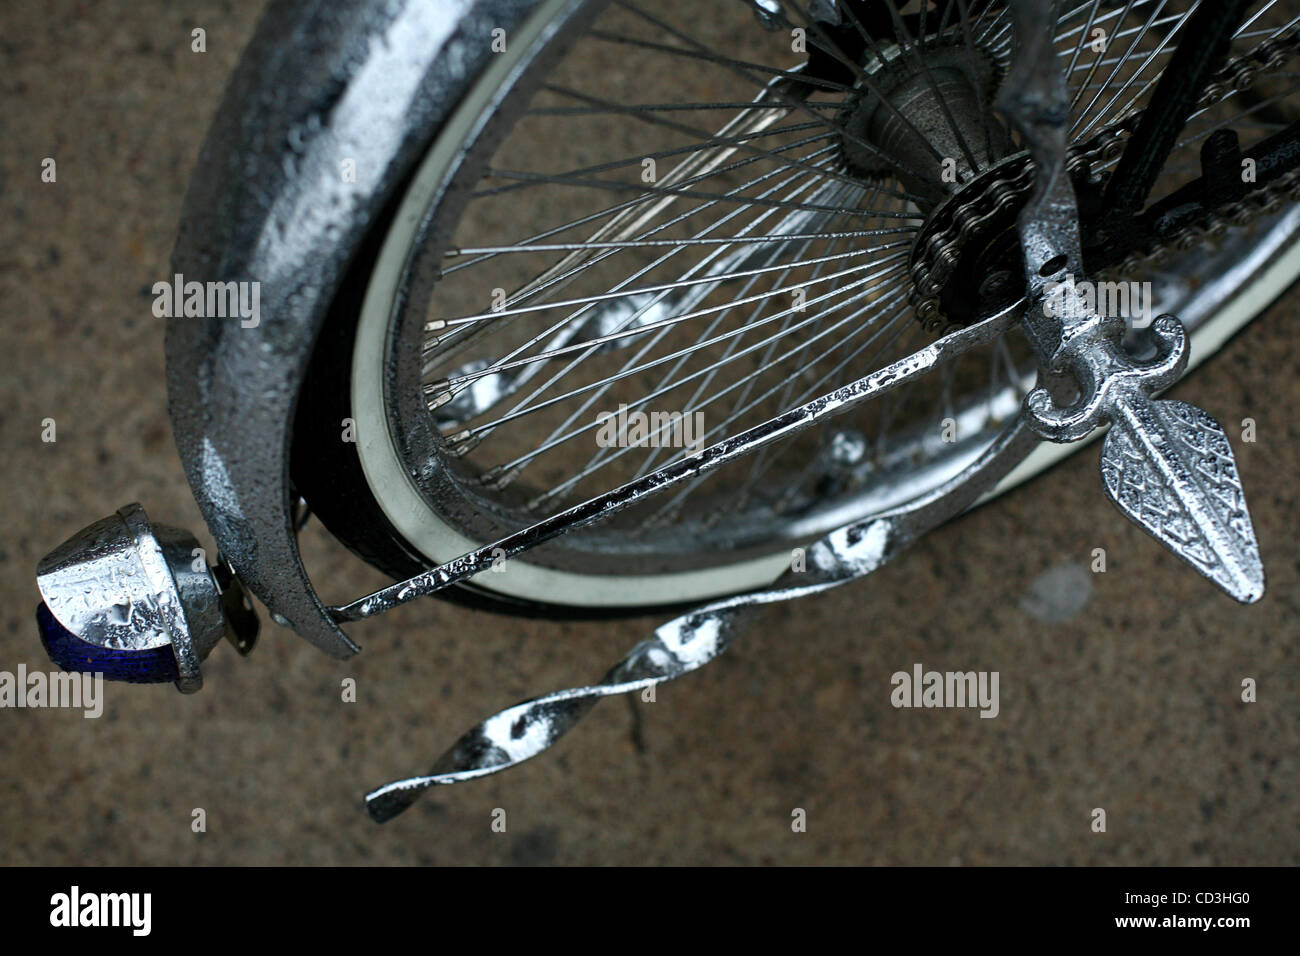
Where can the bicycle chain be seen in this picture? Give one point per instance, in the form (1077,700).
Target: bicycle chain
(1263,201)
(937,255)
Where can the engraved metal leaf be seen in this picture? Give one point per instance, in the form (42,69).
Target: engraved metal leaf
(1169,467)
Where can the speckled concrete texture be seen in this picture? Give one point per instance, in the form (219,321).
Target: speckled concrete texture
(1118,690)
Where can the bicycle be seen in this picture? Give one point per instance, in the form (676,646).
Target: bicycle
(539,341)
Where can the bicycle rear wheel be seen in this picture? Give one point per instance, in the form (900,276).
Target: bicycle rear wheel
(646,229)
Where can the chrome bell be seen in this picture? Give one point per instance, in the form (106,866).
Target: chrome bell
(139,603)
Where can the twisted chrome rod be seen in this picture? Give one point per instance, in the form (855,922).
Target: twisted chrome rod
(689,641)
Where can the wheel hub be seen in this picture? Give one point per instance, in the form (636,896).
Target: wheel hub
(924,116)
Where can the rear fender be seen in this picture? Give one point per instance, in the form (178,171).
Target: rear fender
(328,113)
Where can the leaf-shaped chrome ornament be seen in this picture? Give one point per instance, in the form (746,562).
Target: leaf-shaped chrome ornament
(1168,466)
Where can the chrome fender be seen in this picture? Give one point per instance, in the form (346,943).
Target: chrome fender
(321,84)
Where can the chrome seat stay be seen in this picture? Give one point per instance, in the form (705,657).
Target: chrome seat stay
(813,413)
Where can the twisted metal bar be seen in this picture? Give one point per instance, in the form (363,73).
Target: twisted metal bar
(677,647)
(691,640)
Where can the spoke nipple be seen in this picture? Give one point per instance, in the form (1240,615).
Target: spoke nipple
(498,477)
(439,393)
(435,325)
(461,443)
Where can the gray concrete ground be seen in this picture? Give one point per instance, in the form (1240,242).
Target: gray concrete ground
(1118,690)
